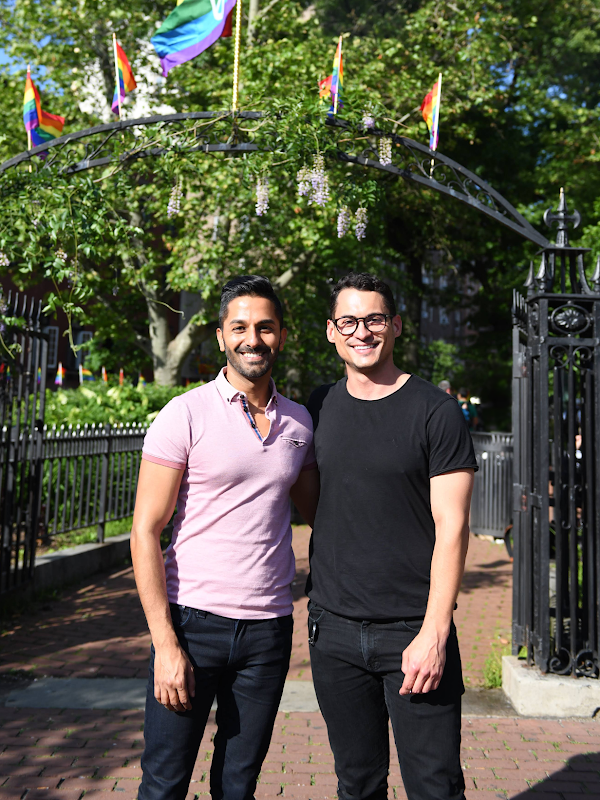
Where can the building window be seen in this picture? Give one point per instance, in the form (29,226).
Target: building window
(424,310)
(443,317)
(52,331)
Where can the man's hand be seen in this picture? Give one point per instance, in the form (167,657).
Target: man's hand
(174,682)
(423,662)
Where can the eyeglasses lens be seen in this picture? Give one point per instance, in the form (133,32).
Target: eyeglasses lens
(348,325)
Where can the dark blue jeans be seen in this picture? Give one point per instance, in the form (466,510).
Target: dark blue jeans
(243,663)
(357,673)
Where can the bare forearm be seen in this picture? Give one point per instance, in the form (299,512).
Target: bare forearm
(149,570)
(447,567)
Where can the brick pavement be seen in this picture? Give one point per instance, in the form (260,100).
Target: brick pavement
(98,628)
(65,755)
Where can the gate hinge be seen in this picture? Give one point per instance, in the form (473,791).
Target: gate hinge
(519,497)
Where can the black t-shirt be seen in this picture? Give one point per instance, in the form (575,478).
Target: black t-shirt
(371,548)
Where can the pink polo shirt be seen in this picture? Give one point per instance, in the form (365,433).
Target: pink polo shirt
(231,551)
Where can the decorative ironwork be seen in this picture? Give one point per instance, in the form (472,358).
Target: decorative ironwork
(556,491)
(228,132)
(129,140)
(22,397)
(417,163)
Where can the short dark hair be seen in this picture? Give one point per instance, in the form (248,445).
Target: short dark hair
(253,285)
(364,282)
(463,392)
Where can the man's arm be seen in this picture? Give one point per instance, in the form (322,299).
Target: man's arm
(157,491)
(305,494)
(424,659)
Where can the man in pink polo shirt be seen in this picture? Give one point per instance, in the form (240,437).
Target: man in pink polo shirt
(229,455)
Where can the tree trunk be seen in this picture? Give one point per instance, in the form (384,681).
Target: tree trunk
(412,317)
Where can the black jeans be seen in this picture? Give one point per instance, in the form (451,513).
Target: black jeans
(357,674)
(243,663)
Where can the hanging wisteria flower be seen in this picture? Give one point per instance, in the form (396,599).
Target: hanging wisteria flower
(343,221)
(262,196)
(4,259)
(174,205)
(384,147)
(314,183)
(3,310)
(368,120)
(319,193)
(360,223)
(60,254)
(303,178)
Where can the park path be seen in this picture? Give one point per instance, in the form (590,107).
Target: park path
(98,629)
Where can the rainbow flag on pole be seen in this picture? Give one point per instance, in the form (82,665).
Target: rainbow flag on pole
(60,375)
(430,108)
(190,29)
(85,375)
(332,85)
(32,107)
(126,81)
(337,80)
(41,126)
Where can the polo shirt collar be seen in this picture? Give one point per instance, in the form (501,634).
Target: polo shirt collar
(230,393)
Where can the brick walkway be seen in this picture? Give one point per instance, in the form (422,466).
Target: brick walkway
(69,755)
(60,756)
(98,629)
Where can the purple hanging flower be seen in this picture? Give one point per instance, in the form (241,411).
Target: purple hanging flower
(360,223)
(314,183)
(343,221)
(262,196)
(368,120)
(174,205)
(303,178)
(4,259)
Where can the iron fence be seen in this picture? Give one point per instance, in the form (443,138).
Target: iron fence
(491,506)
(23,360)
(89,476)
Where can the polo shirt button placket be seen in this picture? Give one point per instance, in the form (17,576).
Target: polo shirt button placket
(250,417)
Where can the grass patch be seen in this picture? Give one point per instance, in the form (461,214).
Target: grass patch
(492,669)
(61,541)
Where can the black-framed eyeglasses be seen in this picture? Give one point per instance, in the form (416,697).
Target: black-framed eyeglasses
(375,323)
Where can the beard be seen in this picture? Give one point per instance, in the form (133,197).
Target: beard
(251,370)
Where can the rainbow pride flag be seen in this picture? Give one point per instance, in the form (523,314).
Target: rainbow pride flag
(190,29)
(126,81)
(85,375)
(430,108)
(60,375)
(141,384)
(337,80)
(32,107)
(41,126)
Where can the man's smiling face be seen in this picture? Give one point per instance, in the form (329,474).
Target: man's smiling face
(363,350)
(251,336)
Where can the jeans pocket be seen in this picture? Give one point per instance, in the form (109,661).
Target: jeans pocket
(180,615)
(413,625)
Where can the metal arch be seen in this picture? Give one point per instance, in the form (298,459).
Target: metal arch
(202,131)
(438,172)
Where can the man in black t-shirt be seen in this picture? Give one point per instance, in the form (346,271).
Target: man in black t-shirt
(387,557)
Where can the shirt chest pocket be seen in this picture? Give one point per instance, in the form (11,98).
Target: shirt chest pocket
(293,442)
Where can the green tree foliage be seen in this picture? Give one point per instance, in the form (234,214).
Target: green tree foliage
(519,109)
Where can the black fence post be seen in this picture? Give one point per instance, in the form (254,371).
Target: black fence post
(103,510)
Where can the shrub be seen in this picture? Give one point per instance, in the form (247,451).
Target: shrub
(100,403)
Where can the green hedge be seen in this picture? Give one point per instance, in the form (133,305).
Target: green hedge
(100,403)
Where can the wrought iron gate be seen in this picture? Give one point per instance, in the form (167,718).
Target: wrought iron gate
(556,502)
(23,362)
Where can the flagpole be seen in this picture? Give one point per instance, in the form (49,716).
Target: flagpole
(236,55)
(337,88)
(118,82)
(436,122)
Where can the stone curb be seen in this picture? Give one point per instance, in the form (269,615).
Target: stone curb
(75,563)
